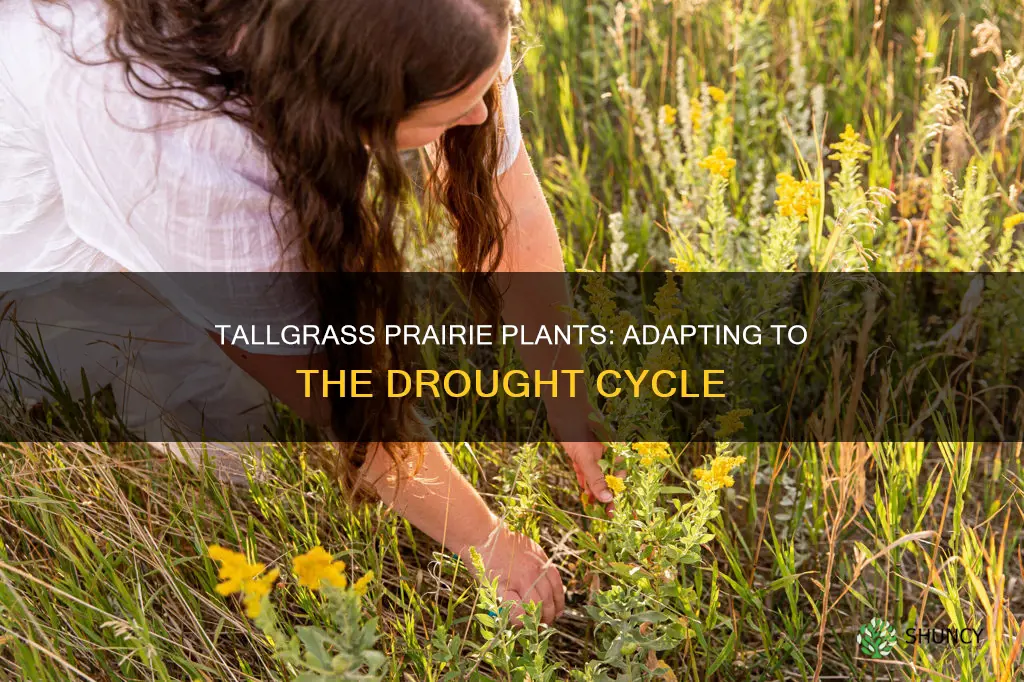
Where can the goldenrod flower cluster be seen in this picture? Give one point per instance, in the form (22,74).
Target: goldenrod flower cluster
(717,95)
(719,164)
(317,566)
(696,112)
(360,586)
(240,576)
(796,198)
(730,422)
(652,452)
(667,304)
(605,309)
(1013,221)
(717,475)
(679,264)
(615,484)
(602,302)
(850,148)
(258,589)
(312,569)
(668,114)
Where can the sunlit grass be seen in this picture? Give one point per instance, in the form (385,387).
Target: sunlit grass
(104,573)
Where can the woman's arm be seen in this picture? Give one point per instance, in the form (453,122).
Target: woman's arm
(532,245)
(427,499)
(438,500)
(444,505)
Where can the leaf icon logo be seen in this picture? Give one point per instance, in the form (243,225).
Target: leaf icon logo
(877,638)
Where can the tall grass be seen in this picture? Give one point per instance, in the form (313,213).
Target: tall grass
(103,574)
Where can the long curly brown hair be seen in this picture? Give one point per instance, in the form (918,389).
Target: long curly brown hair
(323,85)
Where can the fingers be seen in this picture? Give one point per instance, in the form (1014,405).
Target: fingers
(580,479)
(539,591)
(516,609)
(546,592)
(530,577)
(588,466)
(611,507)
(547,605)
(557,589)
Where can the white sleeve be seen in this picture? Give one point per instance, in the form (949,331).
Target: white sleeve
(510,114)
(160,189)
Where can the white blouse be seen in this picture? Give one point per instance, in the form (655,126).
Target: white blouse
(96,179)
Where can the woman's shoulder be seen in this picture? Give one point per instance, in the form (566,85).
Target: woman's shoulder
(29,52)
(152,184)
(55,66)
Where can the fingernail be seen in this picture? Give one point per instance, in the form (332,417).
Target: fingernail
(605,496)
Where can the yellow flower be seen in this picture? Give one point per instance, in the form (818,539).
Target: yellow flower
(664,356)
(1013,221)
(670,676)
(241,576)
(256,590)
(615,484)
(668,114)
(728,121)
(717,94)
(719,163)
(602,301)
(235,570)
(253,605)
(726,463)
(360,586)
(712,481)
(851,148)
(731,422)
(717,476)
(679,264)
(667,303)
(317,566)
(621,322)
(652,452)
(796,198)
(695,113)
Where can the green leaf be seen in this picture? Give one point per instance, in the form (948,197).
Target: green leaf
(784,581)
(651,617)
(316,643)
(375,660)
(724,655)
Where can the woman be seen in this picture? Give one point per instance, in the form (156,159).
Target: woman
(239,136)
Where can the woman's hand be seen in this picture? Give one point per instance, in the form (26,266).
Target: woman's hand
(586,461)
(441,502)
(576,428)
(524,572)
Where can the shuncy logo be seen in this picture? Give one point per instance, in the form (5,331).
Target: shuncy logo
(958,636)
(877,638)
